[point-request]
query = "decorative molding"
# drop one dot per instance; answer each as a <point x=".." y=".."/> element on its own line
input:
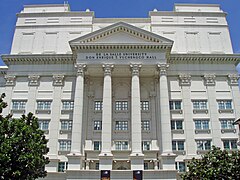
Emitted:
<point x="209" y="79"/>
<point x="33" y="80"/>
<point x="108" y="68"/>
<point x="204" y="58"/>
<point x="185" y="79"/>
<point x="233" y="79"/>
<point x="10" y="80"/>
<point x="58" y="80"/>
<point x="163" y="69"/>
<point x="38" y="59"/>
<point x="81" y="68"/>
<point x="135" y="68"/>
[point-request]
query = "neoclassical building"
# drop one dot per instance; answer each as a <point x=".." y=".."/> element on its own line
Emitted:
<point x="124" y="95"/>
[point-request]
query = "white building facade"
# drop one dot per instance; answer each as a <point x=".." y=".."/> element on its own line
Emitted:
<point x="124" y="94"/>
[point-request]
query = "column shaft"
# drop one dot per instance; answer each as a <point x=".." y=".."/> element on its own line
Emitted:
<point x="105" y="158"/>
<point x="75" y="157"/>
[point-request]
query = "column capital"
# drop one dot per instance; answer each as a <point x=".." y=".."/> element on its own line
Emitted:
<point x="108" y="68"/>
<point x="162" y="68"/>
<point x="33" y="80"/>
<point x="135" y="68"/>
<point x="58" y="80"/>
<point x="184" y="79"/>
<point x="10" y="80"/>
<point x="233" y="79"/>
<point x="80" y="69"/>
<point x="209" y="79"/>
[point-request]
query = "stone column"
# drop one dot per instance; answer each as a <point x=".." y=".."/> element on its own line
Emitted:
<point x="167" y="156"/>
<point x="190" y="144"/>
<point x="155" y="164"/>
<point x="75" y="158"/>
<point x="105" y="158"/>
<point x="209" y="80"/>
<point x="136" y="133"/>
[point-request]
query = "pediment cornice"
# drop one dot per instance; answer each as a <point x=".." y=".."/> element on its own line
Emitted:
<point x="148" y="38"/>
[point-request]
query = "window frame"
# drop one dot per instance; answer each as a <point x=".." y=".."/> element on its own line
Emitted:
<point x="145" y="105"/>
<point x="41" y="123"/>
<point x="68" y="124"/>
<point x="204" y="144"/>
<point x="67" y="105"/>
<point x="230" y="144"/>
<point x="21" y="104"/>
<point x="98" y="105"/>
<point x="65" y="145"/>
<point x="145" y="127"/>
<point x="121" y="125"/>
<point x="176" y="144"/>
<point x="121" y="105"/>
<point x="121" y="145"/>
<point x="223" y="104"/>
<point x="199" y="104"/>
<point x="174" y="125"/>
<point x="202" y="124"/>
<point x="46" y="106"/>
<point x="97" y="125"/>
<point x="173" y="105"/>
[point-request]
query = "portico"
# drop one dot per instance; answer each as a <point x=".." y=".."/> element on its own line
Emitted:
<point x="135" y="54"/>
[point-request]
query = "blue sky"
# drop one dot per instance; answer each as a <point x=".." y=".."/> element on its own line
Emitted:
<point x="113" y="8"/>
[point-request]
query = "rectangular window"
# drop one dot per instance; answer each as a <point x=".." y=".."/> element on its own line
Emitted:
<point x="146" y="145"/>
<point x="66" y="125"/>
<point x="97" y="166"/>
<point x="144" y="105"/>
<point x="203" y="144"/>
<point x="121" y="145"/>
<point x="43" y="124"/>
<point x="98" y="105"/>
<point x="201" y="124"/>
<point x="18" y="105"/>
<point x="67" y="105"/>
<point x="230" y="144"/>
<point x="176" y="124"/>
<point x="64" y="145"/>
<point x="180" y="166"/>
<point x="62" y="166"/>
<point x="175" y="105"/>
<point x="146" y="125"/>
<point x="121" y="125"/>
<point x="97" y="125"/>
<point x="146" y="166"/>
<point x="96" y="145"/>
<point x="44" y="105"/>
<point x="224" y="104"/>
<point x="199" y="104"/>
<point x="227" y="124"/>
<point x="121" y="105"/>
<point x="178" y="145"/>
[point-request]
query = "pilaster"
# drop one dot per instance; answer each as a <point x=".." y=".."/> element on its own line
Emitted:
<point x="209" y="81"/>
<point x="185" y="84"/>
<point x="33" y="83"/>
<point x="9" y="86"/>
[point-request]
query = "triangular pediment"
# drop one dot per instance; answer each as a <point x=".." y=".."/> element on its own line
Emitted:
<point x="121" y="33"/>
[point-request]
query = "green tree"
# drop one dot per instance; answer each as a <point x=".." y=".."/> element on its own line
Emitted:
<point x="215" y="165"/>
<point x="22" y="147"/>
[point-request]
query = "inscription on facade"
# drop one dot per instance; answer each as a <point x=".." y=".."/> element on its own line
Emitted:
<point x="121" y="56"/>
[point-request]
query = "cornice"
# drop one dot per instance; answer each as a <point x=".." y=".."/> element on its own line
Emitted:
<point x="181" y="13"/>
<point x="204" y="58"/>
<point x="38" y="59"/>
<point x="56" y="14"/>
<point x="53" y="25"/>
<point x="128" y="20"/>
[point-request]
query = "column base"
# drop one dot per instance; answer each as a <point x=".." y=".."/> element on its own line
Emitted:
<point x="168" y="161"/>
<point x="137" y="161"/>
<point x="105" y="161"/>
<point x="75" y="161"/>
